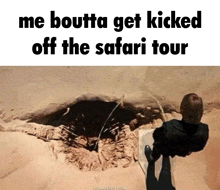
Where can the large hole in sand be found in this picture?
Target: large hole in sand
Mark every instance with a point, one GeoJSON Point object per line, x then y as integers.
{"type": "Point", "coordinates": [81, 125]}
{"type": "Point", "coordinates": [83, 122]}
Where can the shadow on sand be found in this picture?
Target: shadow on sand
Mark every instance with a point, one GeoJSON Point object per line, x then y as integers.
{"type": "Point", "coordinates": [164, 182]}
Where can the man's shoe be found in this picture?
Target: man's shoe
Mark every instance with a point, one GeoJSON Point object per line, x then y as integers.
{"type": "Point", "coordinates": [148, 155]}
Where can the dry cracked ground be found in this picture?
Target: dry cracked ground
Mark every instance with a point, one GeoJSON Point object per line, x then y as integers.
{"type": "Point", "coordinates": [51, 118]}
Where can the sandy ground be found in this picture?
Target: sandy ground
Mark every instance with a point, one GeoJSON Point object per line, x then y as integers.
{"type": "Point", "coordinates": [201, 170]}
{"type": "Point", "coordinates": [27, 89]}
{"type": "Point", "coordinates": [27, 163]}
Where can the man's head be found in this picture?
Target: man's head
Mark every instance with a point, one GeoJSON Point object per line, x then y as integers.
{"type": "Point", "coordinates": [191, 108]}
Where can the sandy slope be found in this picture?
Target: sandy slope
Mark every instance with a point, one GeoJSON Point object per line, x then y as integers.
{"type": "Point", "coordinates": [27, 89]}
{"type": "Point", "coordinates": [201, 170]}
{"type": "Point", "coordinates": [27, 163]}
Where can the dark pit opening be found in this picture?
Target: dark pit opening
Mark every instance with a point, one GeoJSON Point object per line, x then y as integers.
{"type": "Point", "coordinates": [83, 121]}
{"type": "Point", "coordinates": [79, 125]}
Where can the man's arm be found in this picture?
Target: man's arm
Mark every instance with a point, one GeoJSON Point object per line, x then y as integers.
{"type": "Point", "coordinates": [200, 138]}
{"type": "Point", "coordinates": [159, 133]}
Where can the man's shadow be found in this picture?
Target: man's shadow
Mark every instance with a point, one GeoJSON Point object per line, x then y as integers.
{"type": "Point", "coordinates": [164, 182]}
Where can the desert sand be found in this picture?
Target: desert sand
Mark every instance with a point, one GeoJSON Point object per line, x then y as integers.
{"type": "Point", "coordinates": [28, 163]}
